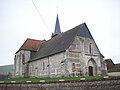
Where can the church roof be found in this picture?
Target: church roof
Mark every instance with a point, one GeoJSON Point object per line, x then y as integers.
{"type": "Point", "coordinates": [62, 41]}
{"type": "Point", "coordinates": [57, 27]}
{"type": "Point", "coordinates": [30, 44]}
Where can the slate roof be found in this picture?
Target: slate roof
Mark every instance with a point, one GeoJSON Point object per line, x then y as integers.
{"type": "Point", "coordinates": [30, 44]}
{"type": "Point", "coordinates": [61, 42]}
{"type": "Point", "coordinates": [57, 27]}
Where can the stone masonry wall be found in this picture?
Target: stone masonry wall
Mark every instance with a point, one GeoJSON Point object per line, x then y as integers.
{"type": "Point", "coordinates": [73, 85]}
{"type": "Point", "coordinates": [47, 67]}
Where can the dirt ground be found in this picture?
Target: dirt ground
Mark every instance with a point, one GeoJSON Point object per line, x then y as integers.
{"type": "Point", "coordinates": [114, 74]}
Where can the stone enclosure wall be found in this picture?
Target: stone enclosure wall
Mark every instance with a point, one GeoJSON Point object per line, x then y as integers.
{"type": "Point", "coordinates": [106, 84]}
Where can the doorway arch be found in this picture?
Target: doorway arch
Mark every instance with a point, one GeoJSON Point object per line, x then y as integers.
{"type": "Point", "coordinates": [92, 67]}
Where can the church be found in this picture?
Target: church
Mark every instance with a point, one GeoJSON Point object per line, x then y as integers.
{"type": "Point", "coordinates": [69, 54]}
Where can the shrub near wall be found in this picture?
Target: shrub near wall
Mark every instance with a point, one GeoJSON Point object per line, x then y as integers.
{"type": "Point", "coordinates": [106, 84]}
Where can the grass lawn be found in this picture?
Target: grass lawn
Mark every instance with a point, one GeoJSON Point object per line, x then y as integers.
{"type": "Point", "coordinates": [52, 79]}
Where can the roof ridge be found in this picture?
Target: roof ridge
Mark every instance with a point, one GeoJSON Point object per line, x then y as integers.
{"type": "Point", "coordinates": [33, 39]}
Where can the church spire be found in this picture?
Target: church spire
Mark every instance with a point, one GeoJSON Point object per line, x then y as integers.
{"type": "Point", "coordinates": [57, 27]}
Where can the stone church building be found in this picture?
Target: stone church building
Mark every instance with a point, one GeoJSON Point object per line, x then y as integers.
{"type": "Point", "coordinates": [72, 53]}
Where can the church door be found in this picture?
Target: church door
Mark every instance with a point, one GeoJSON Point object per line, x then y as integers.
{"type": "Point", "coordinates": [90, 71]}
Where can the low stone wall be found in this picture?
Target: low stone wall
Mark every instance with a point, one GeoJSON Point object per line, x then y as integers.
{"type": "Point", "coordinates": [107, 84]}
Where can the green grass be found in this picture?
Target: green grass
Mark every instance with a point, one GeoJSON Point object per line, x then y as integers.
{"type": "Point", "coordinates": [6, 68]}
{"type": "Point", "coordinates": [53, 79]}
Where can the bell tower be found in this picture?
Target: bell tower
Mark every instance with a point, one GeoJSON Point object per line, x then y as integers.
{"type": "Point", "coordinates": [57, 27]}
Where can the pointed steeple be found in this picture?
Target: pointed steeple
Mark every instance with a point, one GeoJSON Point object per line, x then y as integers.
{"type": "Point", "coordinates": [57, 27]}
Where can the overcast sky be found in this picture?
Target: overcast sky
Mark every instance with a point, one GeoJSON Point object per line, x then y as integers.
{"type": "Point", "coordinates": [20, 20]}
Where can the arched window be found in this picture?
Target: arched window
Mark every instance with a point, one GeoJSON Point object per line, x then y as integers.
{"type": "Point", "coordinates": [73, 67]}
{"type": "Point", "coordinates": [90, 48]}
{"type": "Point", "coordinates": [20, 56]}
{"type": "Point", "coordinates": [43, 65]}
{"type": "Point", "coordinates": [23, 58]}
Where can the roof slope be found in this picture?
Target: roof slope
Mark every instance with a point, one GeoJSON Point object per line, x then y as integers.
{"type": "Point", "coordinates": [62, 41]}
{"type": "Point", "coordinates": [30, 44]}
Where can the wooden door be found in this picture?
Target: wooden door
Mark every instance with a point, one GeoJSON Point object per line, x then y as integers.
{"type": "Point", "coordinates": [90, 71]}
